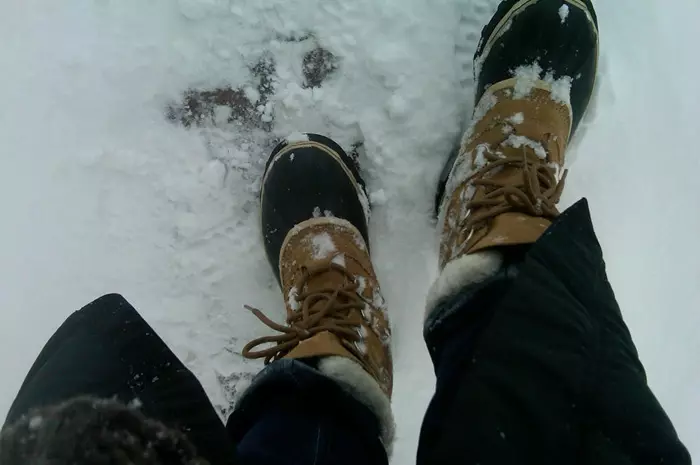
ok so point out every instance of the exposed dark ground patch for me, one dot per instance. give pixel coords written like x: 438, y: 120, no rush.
x: 198, y: 107
x: 317, y: 65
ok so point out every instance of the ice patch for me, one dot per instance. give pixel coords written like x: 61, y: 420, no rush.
x: 522, y: 141
x: 564, y: 12
x: 322, y: 245
x: 297, y: 137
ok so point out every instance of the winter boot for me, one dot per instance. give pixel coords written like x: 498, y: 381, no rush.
x: 535, y: 70
x: 314, y: 222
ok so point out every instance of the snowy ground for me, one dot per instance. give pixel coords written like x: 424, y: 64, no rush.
x: 99, y: 192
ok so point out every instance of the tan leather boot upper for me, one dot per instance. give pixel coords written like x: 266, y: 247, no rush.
x: 333, y: 302
x: 507, y: 180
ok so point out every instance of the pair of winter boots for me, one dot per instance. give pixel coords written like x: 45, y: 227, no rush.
x: 535, y: 71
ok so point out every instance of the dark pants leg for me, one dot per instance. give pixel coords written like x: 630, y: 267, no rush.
x: 107, y: 350
x: 536, y: 366
x: 291, y: 415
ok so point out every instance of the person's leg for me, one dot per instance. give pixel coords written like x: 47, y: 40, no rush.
x: 308, y: 417
x: 325, y: 396
x: 534, y: 362
x: 106, y: 350
x: 535, y: 365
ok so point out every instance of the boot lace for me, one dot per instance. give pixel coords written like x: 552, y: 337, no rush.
x: 537, y: 195
x: 333, y: 315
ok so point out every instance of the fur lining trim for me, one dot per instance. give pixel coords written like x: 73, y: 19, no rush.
x: 354, y: 380
x: 461, y: 272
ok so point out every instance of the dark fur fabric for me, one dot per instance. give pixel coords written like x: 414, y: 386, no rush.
x: 88, y: 431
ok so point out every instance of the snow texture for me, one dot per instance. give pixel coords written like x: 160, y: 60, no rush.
x: 100, y: 192
x: 526, y: 79
x: 520, y: 141
x: 560, y: 88
x: 297, y: 137
x: 518, y: 118
x: 564, y: 13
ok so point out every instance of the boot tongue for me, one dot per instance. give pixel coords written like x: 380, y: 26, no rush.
x: 330, y: 279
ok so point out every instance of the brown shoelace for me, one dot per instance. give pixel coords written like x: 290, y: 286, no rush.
x: 538, y: 195
x: 326, y: 309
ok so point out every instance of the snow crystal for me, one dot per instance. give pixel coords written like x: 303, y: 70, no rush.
x: 339, y: 260
x: 520, y: 141
x: 360, y: 242
x: 292, y: 301
x: 266, y: 112
x: 221, y: 114
x: 398, y: 107
x: 526, y: 78
x: 364, y: 201
x: 479, y: 61
x: 318, y: 214
x: 361, y: 284
x: 251, y: 94
x: 558, y: 172
x: 364, y: 332
x: 480, y: 159
x: 297, y: 137
x: 35, y: 422
x: 518, y: 118
x: 561, y: 88
x: 361, y: 347
x: 487, y: 102
x: 323, y: 245
x: 135, y: 403
x: 564, y: 12
x: 378, y: 197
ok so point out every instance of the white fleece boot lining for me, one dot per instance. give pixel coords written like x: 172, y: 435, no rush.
x: 354, y: 380
x: 461, y: 272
